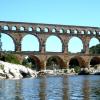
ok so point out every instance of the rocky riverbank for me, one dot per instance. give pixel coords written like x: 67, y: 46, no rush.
x: 14, y: 71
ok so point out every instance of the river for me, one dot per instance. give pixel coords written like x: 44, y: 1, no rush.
x: 52, y: 88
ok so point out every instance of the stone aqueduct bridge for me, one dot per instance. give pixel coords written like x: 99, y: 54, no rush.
x: 17, y: 30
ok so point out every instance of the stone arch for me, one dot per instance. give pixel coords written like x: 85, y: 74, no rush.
x: 61, y: 30
x: 94, y: 61
x: 46, y: 29
x: 76, y: 31
x: 77, y: 61
x: 94, y: 41
x: 22, y: 28
x: 14, y: 28
x: 75, y: 45
x: 68, y: 31
x: 8, y: 42
x: 33, y: 62
x: 52, y: 46
x: 54, y: 30
x: 6, y: 27
x: 55, y: 62
x: 83, y: 32
x: 30, y: 29
x: 30, y: 40
x: 38, y: 29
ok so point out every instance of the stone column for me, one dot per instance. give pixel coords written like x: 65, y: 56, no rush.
x: 65, y: 47
x: 86, y: 47
x: 17, y: 47
x: 85, y: 40
x: 42, y: 46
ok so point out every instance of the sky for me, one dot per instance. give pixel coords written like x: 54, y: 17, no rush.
x: 67, y: 12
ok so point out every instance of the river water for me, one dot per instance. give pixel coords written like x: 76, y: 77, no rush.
x: 52, y: 88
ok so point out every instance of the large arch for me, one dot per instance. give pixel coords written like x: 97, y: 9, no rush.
x: 33, y: 62
x: 55, y: 62
x: 53, y: 44
x: 94, y: 47
x: 8, y: 42
x: 94, y: 61
x: 75, y: 45
x: 30, y: 43
x: 93, y: 42
x: 77, y: 61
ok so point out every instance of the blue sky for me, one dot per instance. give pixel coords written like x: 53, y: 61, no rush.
x: 68, y: 12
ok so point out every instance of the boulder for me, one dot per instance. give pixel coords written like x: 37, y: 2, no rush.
x: 31, y: 72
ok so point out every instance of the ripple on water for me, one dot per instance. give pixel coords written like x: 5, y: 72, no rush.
x: 51, y: 88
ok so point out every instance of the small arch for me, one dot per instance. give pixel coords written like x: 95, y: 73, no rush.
x: 88, y: 32
x: 32, y: 62
x: 38, y: 29
x: 75, y: 31
x: 30, y: 29
x: 99, y: 33
x: 14, y: 28
x: 68, y: 31
x: 5, y: 27
x: 61, y: 31
x: 46, y: 29
x: 22, y: 28
x: 82, y: 32
x: 53, y: 30
x: 94, y: 32
x: 55, y: 62
x: 53, y: 44
x: 94, y: 61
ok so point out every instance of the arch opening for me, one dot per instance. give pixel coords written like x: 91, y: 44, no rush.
x: 77, y: 63
x: 55, y: 62
x: 94, y: 46
x: 46, y: 29
x: 14, y: 28
x: 94, y: 61
x: 33, y: 62
x: 30, y: 43
x: 75, y: 45
x: 8, y: 43
x: 53, y: 44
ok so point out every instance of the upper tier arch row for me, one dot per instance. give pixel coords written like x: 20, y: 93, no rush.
x: 48, y: 28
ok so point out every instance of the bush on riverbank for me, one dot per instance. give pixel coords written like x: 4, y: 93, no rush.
x: 11, y: 58
x: 77, y: 69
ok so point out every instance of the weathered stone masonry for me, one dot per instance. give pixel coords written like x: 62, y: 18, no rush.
x: 17, y: 30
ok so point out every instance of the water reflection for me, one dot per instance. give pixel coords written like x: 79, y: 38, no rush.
x: 51, y: 88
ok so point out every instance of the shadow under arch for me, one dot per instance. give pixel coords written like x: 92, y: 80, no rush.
x: 55, y: 62
x: 35, y: 38
x: 33, y: 62
x: 54, y: 44
x: 11, y: 40
x: 77, y: 61
x: 94, y: 61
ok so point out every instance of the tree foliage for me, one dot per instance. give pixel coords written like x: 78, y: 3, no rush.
x: 11, y: 58
x: 95, y: 49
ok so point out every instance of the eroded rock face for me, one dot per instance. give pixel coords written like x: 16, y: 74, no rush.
x: 10, y: 71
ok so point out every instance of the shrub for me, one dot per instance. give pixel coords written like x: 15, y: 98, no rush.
x: 11, y: 58
x: 77, y: 69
